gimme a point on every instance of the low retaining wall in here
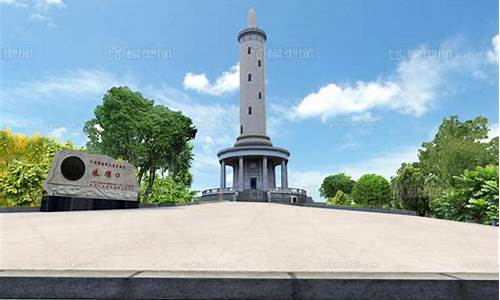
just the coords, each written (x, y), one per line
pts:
(244, 285)
(376, 210)
(24, 209)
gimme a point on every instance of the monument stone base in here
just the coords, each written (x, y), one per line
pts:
(275, 195)
(62, 203)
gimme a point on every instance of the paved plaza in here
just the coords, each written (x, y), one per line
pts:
(238, 236)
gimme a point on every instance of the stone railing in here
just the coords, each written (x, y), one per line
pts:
(272, 190)
(288, 191)
(217, 191)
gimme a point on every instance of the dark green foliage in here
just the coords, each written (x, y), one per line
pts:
(334, 183)
(458, 146)
(151, 137)
(474, 198)
(456, 177)
(22, 184)
(167, 190)
(372, 190)
(409, 189)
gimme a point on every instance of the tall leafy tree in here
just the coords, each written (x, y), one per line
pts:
(334, 183)
(372, 190)
(117, 128)
(166, 140)
(151, 137)
(458, 146)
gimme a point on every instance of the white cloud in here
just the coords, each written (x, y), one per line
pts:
(78, 82)
(492, 54)
(39, 10)
(14, 120)
(15, 3)
(228, 82)
(58, 132)
(411, 89)
(58, 3)
(385, 163)
(208, 143)
(366, 117)
(64, 85)
(333, 99)
(493, 131)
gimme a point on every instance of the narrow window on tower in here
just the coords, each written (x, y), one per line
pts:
(241, 129)
(249, 77)
(249, 50)
(260, 95)
(249, 110)
(258, 62)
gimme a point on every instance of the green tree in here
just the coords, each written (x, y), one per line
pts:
(473, 199)
(167, 190)
(372, 190)
(167, 142)
(22, 184)
(340, 198)
(408, 187)
(151, 137)
(24, 164)
(334, 183)
(458, 146)
(491, 152)
(117, 129)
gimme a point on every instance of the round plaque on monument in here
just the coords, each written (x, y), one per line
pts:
(72, 168)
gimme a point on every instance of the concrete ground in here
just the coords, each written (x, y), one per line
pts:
(236, 236)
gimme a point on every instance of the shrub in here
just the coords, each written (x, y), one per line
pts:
(166, 190)
(340, 198)
(474, 197)
(372, 190)
(408, 188)
(334, 183)
(24, 164)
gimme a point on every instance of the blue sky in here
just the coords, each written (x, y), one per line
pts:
(353, 86)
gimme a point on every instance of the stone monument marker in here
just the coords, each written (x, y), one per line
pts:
(82, 181)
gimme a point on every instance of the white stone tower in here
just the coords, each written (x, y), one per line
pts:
(253, 158)
(252, 85)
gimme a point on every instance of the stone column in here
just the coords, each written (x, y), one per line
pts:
(222, 175)
(240, 173)
(283, 174)
(235, 177)
(286, 173)
(264, 173)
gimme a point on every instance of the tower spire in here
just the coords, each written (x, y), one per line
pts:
(252, 18)
(252, 85)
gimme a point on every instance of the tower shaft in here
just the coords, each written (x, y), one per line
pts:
(252, 85)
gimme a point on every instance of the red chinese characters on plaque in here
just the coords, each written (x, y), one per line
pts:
(106, 175)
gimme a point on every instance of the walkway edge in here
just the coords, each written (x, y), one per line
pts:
(73, 284)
